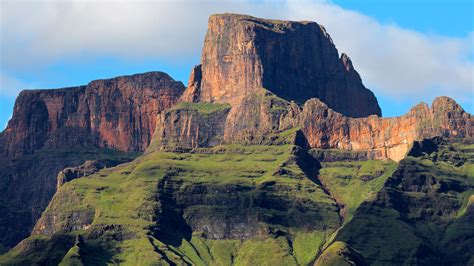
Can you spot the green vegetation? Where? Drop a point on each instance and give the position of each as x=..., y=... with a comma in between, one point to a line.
x=203, y=108
x=340, y=254
x=262, y=205
x=425, y=205
x=124, y=213
x=352, y=183
x=17, y=206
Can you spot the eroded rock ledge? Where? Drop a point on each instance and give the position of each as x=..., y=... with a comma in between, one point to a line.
x=259, y=118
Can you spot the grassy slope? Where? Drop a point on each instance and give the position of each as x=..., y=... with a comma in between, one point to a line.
x=203, y=108
x=422, y=215
x=29, y=176
x=125, y=197
x=352, y=183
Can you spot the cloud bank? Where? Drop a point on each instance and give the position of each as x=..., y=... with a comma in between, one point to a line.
x=394, y=61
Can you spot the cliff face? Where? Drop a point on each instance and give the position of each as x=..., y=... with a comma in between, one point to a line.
x=294, y=60
x=384, y=137
x=271, y=71
x=117, y=113
x=54, y=129
x=426, y=209
x=259, y=119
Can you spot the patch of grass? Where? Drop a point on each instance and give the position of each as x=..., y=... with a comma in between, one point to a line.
x=307, y=245
x=272, y=251
x=352, y=183
x=203, y=108
x=339, y=253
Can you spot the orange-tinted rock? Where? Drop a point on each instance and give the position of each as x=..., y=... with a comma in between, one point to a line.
x=384, y=137
x=294, y=60
x=193, y=92
x=54, y=129
x=260, y=118
x=117, y=113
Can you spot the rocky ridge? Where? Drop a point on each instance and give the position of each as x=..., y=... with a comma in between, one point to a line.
x=425, y=208
x=259, y=119
x=116, y=113
x=109, y=120
x=275, y=203
x=260, y=69
x=294, y=60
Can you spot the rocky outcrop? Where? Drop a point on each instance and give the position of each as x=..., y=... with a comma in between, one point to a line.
x=54, y=129
x=117, y=113
x=425, y=209
x=384, y=137
x=89, y=167
x=190, y=125
x=259, y=118
x=279, y=75
x=294, y=60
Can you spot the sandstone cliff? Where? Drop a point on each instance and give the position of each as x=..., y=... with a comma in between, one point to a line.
x=384, y=137
x=54, y=129
x=281, y=75
x=294, y=60
x=117, y=113
x=260, y=119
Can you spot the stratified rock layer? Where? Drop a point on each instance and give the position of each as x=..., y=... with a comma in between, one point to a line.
x=259, y=118
x=424, y=214
x=294, y=60
x=54, y=129
x=117, y=113
x=384, y=137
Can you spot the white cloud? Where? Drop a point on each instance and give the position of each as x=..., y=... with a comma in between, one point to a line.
x=391, y=60
x=398, y=62
x=10, y=87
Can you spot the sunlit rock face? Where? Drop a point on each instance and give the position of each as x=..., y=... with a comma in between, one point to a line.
x=277, y=75
x=294, y=60
x=117, y=113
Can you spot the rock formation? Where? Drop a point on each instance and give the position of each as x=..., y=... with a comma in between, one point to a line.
x=384, y=137
x=261, y=84
x=54, y=129
x=258, y=120
x=117, y=113
x=267, y=69
x=294, y=60
x=425, y=208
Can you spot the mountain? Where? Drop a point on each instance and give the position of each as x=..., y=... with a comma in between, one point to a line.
x=240, y=94
x=110, y=120
x=260, y=119
x=424, y=214
x=265, y=157
x=294, y=60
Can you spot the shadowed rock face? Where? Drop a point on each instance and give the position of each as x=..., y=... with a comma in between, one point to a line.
x=117, y=113
x=425, y=208
x=294, y=60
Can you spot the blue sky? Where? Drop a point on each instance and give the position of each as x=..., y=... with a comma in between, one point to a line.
x=406, y=51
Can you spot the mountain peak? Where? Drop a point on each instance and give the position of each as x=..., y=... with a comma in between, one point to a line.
x=294, y=60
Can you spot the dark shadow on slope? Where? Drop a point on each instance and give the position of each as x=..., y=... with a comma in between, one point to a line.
x=171, y=226
x=311, y=166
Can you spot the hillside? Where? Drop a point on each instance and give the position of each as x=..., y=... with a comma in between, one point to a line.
x=260, y=160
